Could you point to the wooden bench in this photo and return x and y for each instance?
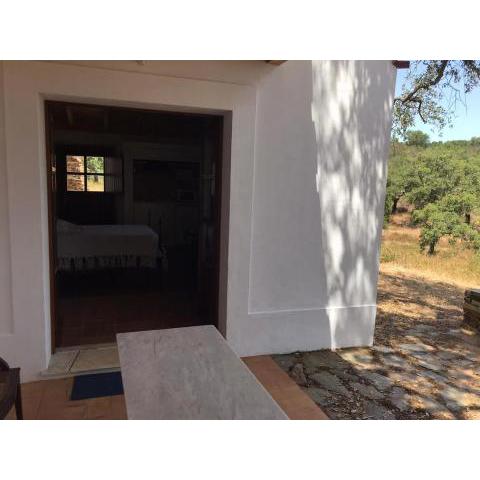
(471, 308)
(189, 373)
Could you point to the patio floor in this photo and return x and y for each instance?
(49, 399)
(425, 363)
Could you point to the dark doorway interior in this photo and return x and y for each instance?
(134, 201)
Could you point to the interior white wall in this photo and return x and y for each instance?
(307, 175)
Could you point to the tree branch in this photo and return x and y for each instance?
(425, 85)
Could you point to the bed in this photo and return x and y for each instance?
(93, 247)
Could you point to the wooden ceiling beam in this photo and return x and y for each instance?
(401, 64)
(396, 63)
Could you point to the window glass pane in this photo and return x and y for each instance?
(75, 183)
(95, 165)
(75, 163)
(95, 183)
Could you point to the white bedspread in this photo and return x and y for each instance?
(99, 246)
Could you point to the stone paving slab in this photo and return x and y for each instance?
(424, 364)
(411, 379)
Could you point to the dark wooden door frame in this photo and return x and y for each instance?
(51, 199)
(219, 160)
(52, 235)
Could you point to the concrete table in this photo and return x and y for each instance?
(189, 373)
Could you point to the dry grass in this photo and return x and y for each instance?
(405, 299)
(400, 253)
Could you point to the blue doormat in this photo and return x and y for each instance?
(97, 385)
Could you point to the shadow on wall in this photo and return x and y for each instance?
(321, 145)
(351, 113)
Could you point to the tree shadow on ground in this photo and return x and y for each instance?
(441, 380)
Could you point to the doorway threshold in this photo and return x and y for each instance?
(81, 360)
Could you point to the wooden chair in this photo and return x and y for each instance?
(10, 394)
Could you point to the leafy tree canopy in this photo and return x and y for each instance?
(442, 184)
(95, 164)
(438, 222)
(431, 92)
(417, 138)
(440, 179)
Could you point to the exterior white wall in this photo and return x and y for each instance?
(6, 318)
(237, 73)
(307, 175)
(321, 146)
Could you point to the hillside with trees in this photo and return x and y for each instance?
(439, 183)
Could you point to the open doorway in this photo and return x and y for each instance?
(134, 214)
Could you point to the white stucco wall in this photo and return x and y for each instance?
(6, 318)
(321, 145)
(307, 174)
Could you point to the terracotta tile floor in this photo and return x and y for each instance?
(93, 319)
(291, 398)
(49, 399)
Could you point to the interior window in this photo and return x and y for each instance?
(85, 173)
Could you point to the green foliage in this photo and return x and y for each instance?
(460, 202)
(431, 92)
(437, 222)
(95, 165)
(400, 167)
(417, 138)
(432, 177)
(442, 183)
